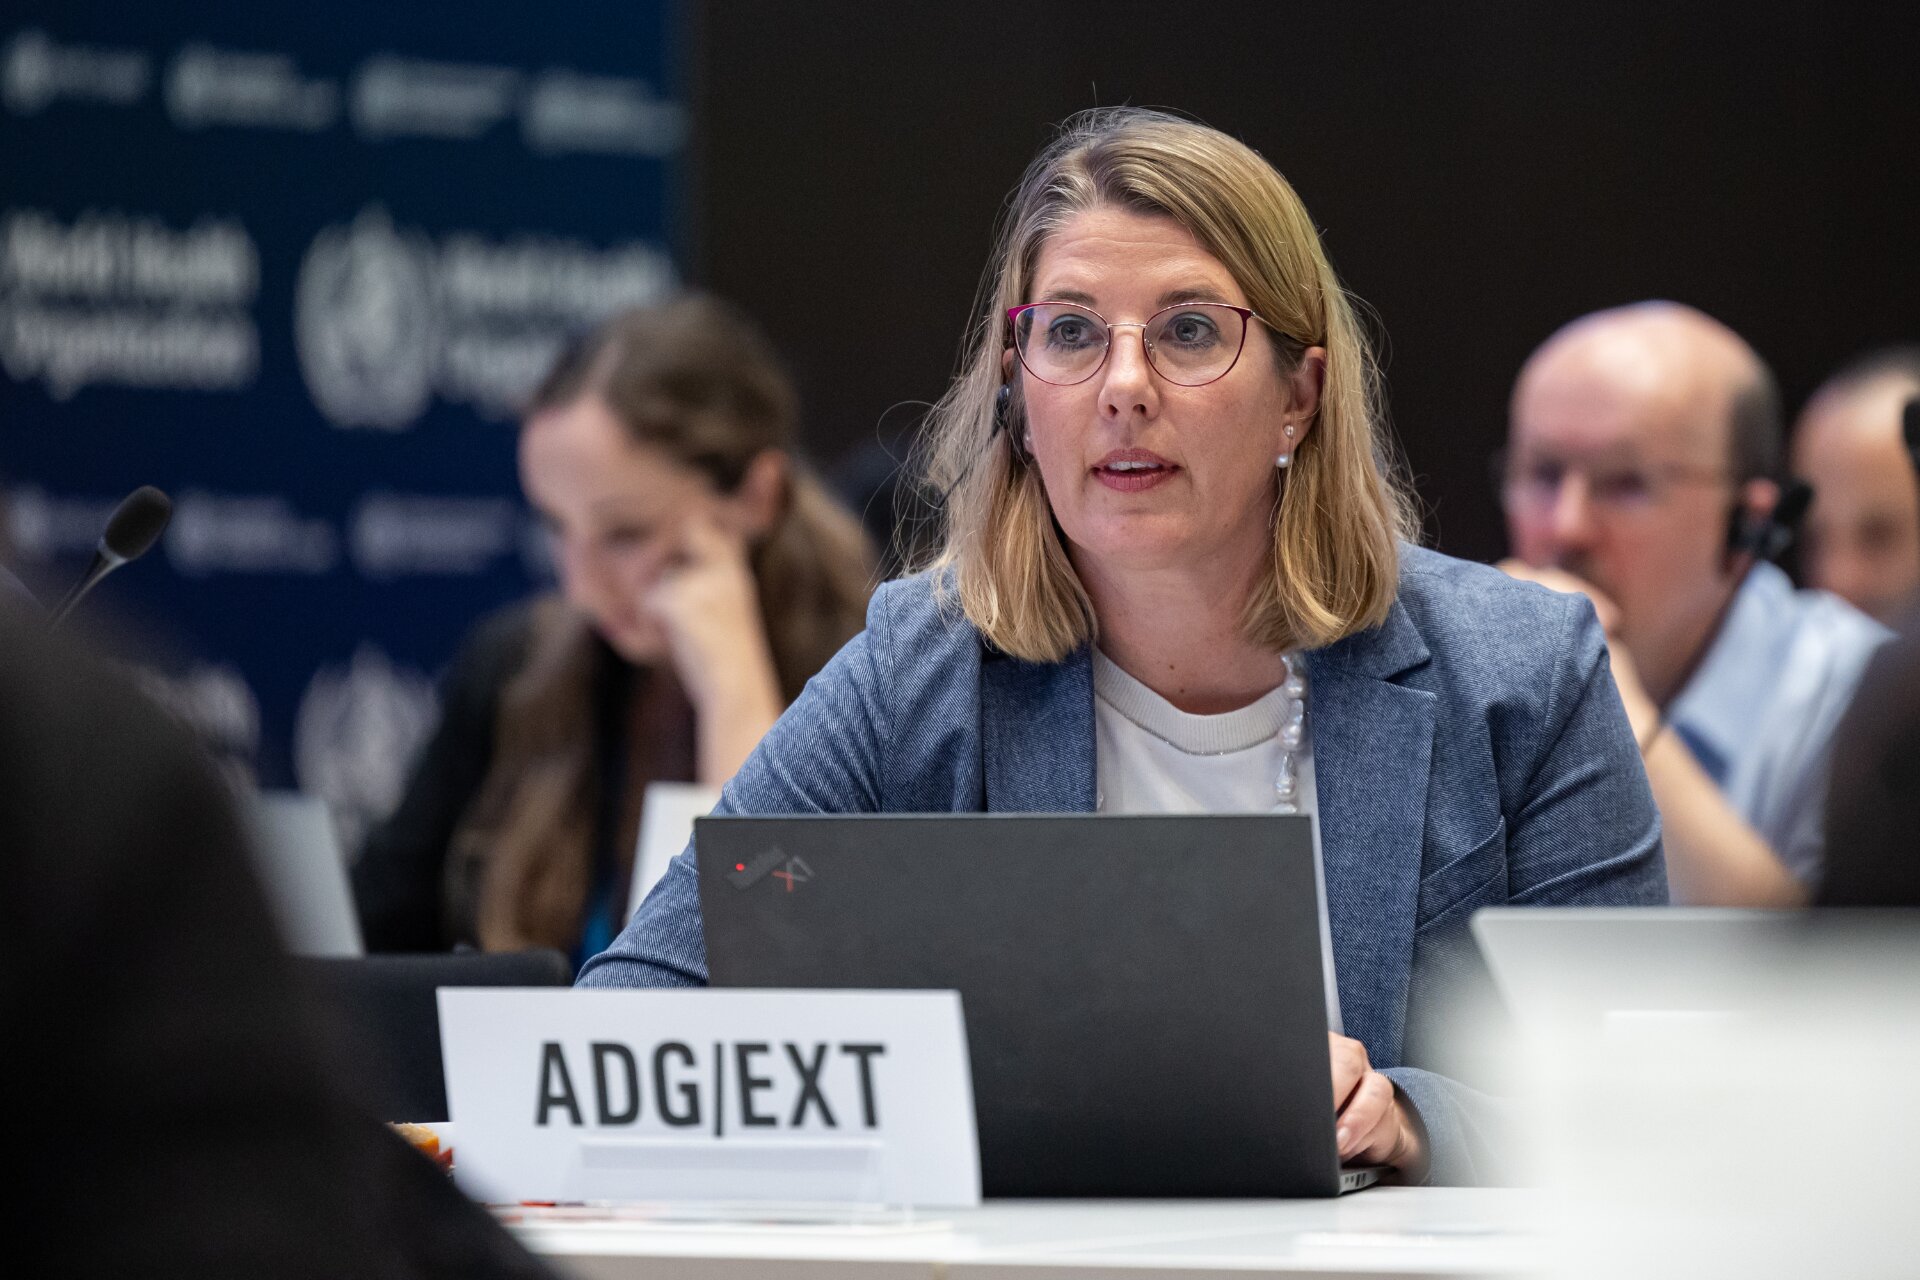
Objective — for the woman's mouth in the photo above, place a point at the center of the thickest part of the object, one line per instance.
(1131, 470)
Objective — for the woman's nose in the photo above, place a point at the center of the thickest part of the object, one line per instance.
(1127, 381)
(579, 574)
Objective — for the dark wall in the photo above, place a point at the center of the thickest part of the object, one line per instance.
(1480, 176)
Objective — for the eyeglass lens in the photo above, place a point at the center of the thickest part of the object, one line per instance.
(1190, 344)
(1535, 483)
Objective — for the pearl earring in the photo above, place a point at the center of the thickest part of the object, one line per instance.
(1285, 460)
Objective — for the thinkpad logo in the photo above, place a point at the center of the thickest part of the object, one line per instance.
(796, 872)
(790, 872)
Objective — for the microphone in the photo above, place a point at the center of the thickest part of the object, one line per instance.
(136, 524)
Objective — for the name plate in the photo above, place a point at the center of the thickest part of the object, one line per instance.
(711, 1096)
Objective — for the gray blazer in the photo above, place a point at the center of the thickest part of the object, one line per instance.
(1468, 752)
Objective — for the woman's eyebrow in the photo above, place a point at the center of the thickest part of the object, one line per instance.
(1174, 297)
(1171, 298)
(1078, 296)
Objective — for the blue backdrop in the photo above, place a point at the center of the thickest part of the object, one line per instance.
(294, 265)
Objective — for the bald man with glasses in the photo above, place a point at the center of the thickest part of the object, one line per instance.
(1642, 449)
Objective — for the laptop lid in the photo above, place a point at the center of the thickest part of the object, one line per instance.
(667, 811)
(297, 857)
(1143, 998)
(1574, 967)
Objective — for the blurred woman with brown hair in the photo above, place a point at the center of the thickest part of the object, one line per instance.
(705, 575)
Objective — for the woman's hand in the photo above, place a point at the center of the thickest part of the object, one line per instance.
(709, 606)
(1373, 1124)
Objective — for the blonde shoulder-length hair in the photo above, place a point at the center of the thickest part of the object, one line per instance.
(1341, 509)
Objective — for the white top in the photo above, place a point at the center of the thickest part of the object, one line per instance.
(1152, 757)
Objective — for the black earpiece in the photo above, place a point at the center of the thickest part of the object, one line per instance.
(1767, 537)
(1910, 431)
(1002, 423)
(1745, 531)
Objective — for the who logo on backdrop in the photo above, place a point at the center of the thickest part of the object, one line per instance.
(365, 323)
(358, 729)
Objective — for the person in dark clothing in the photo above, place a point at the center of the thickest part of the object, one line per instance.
(184, 1109)
(1873, 800)
(705, 576)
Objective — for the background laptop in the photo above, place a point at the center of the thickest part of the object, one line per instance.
(1143, 996)
(297, 857)
(667, 811)
(1573, 968)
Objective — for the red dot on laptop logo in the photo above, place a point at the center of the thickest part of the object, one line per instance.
(739, 866)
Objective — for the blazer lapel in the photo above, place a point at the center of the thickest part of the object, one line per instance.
(1036, 734)
(1372, 750)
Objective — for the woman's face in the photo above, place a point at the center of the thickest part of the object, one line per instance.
(1209, 485)
(616, 509)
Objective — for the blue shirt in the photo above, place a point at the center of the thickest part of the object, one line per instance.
(1760, 713)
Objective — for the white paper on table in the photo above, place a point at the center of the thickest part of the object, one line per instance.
(705, 1096)
(666, 824)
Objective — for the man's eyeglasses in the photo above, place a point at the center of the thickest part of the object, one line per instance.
(1190, 344)
(1534, 484)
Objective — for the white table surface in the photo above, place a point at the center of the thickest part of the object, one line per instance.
(1380, 1232)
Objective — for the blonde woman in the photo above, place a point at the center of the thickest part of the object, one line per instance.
(1178, 577)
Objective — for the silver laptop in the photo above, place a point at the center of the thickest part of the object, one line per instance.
(1576, 967)
(298, 859)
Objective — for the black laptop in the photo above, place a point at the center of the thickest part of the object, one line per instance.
(1143, 996)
